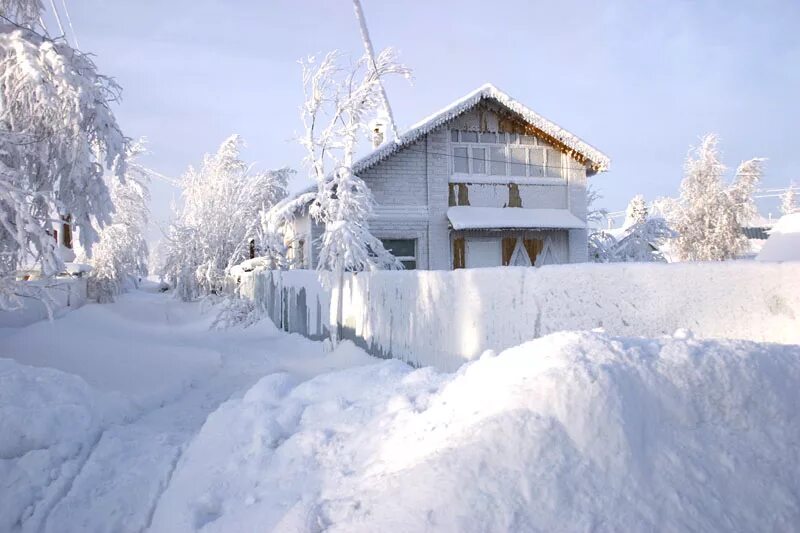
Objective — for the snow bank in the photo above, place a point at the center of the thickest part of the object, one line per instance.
(783, 243)
(49, 422)
(66, 294)
(444, 318)
(570, 432)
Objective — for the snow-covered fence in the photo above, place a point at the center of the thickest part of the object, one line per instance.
(65, 294)
(293, 299)
(444, 318)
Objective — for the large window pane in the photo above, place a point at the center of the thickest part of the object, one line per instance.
(479, 160)
(553, 163)
(536, 167)
(460, 161)
(516, 165)
(497, 164)
(469, 136)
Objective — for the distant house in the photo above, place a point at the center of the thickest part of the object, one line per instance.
(484, 182)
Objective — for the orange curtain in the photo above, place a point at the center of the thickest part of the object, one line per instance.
(534, 248)
(459, 253)
(509, 243)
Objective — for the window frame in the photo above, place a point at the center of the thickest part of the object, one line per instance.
(511, 141)
(403, 258)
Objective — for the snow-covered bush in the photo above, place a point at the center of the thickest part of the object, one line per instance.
(708, 216)
(57, 133)
(222, 211)
(642, 235)
(121, 254)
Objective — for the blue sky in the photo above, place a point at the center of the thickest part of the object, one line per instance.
(641, 80)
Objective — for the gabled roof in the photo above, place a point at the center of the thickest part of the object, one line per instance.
(599, 161)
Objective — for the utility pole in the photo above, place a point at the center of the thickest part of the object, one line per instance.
(362, 23)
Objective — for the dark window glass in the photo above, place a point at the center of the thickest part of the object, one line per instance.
(400, 247)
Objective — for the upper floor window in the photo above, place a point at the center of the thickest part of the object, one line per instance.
(504, 154)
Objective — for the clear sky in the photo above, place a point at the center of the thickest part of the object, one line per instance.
(641, 80)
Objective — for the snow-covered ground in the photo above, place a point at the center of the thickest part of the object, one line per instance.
(152, 421)
(90, 433)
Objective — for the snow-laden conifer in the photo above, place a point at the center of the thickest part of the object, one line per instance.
(789, 201)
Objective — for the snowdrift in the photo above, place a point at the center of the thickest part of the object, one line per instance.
(444, 318)
(570, 432)
(783, 243)
(49, 422)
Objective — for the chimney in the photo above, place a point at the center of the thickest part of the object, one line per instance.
(378, 131)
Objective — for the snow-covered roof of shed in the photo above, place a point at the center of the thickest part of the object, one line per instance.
(599, 160)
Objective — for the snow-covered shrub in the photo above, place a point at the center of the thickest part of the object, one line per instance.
(642, 235)
(708, 216)
(222, 211)
(57, 134)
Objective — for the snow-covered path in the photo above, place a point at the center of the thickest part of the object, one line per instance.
(161, 371)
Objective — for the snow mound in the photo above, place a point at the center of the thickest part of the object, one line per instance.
(49, 421)
(572, 431)
(783, 243)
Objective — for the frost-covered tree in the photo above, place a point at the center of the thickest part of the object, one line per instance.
(222, 211)
(636, 211)
(120, 256)
(600, 243)
(338, 104)
(709, 215)
(789, 201)
(57, 135)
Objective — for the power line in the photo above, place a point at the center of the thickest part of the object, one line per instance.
(58, 18)
(69, 21)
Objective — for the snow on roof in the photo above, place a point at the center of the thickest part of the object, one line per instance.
(599, 160)
(466, 217)
(783, 243)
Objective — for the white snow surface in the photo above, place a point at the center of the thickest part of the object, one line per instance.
(134, 416)
(570, 432)
(783, 243)
(466, 217)
(96, 407)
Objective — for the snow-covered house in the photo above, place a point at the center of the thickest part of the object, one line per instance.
(484, 182)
